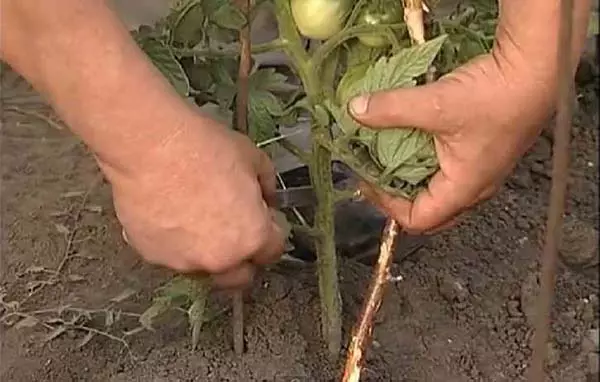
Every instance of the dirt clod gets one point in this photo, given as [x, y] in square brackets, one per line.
[513, 308]
[453, 289]
[579, 245]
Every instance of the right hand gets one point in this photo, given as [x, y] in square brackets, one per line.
[200, 202]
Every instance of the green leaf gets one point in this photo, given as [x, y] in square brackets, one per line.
[217, 113]
[393, 147]
[188, 28]
[414, 174]
[347, 87]
[162, 57]
[396, 147]
[263, 107]
[212, 6]
[224, 87]
[228, 16]
[593, 25]
[223, 35]
[196, 317]
[401, 158]
[359, 54]
[159, 306]
[401, 69]
[266, 79]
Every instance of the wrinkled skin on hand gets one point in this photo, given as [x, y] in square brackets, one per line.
[484, 116]
[201, 204]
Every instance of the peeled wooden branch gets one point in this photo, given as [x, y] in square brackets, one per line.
[362, 332]
[361, 335]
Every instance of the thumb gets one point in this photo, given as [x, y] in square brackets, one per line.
[426, 107]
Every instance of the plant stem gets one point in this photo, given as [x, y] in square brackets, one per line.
[266, 47]
[303, 156]
[322, 180]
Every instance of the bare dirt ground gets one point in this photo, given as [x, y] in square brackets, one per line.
[463, 311]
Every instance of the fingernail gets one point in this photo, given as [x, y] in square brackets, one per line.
[359, 105]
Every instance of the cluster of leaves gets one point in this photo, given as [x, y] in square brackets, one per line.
[470, 28]
[181, 292]
[196, 47]
[402, 160]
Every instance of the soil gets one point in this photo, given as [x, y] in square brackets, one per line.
[462, 310]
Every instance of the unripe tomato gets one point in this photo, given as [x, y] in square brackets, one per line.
[379, 12]
[320, 19]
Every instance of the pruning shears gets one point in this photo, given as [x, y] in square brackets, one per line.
[291, 197]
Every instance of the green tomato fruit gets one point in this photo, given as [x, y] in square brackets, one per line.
[380, 12]
[320, 19]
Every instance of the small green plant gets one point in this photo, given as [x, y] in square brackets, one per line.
[355, 47]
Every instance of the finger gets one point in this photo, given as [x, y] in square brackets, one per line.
[237, 277]
[273, 247]
[444, 226]
[486, 194]
[442, 200]
[267, 177]
[427, 107]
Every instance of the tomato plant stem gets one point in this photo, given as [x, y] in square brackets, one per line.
[322, 180]
[266, 47]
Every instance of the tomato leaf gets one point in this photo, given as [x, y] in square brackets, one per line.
[159, 306]
[404, 157]
[196, 313]
[188, 26]
[264, 107]
[593, 29]
[229, 16]
[401, 69]
[162, 57]
[397, 71]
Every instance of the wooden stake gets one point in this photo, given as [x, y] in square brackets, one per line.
[362, 332]
[242, 126]
[556, 207]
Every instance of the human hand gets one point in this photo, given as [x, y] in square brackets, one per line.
[483, 116]
[200, 202]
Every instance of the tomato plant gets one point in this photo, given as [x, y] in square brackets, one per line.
[363, 47]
